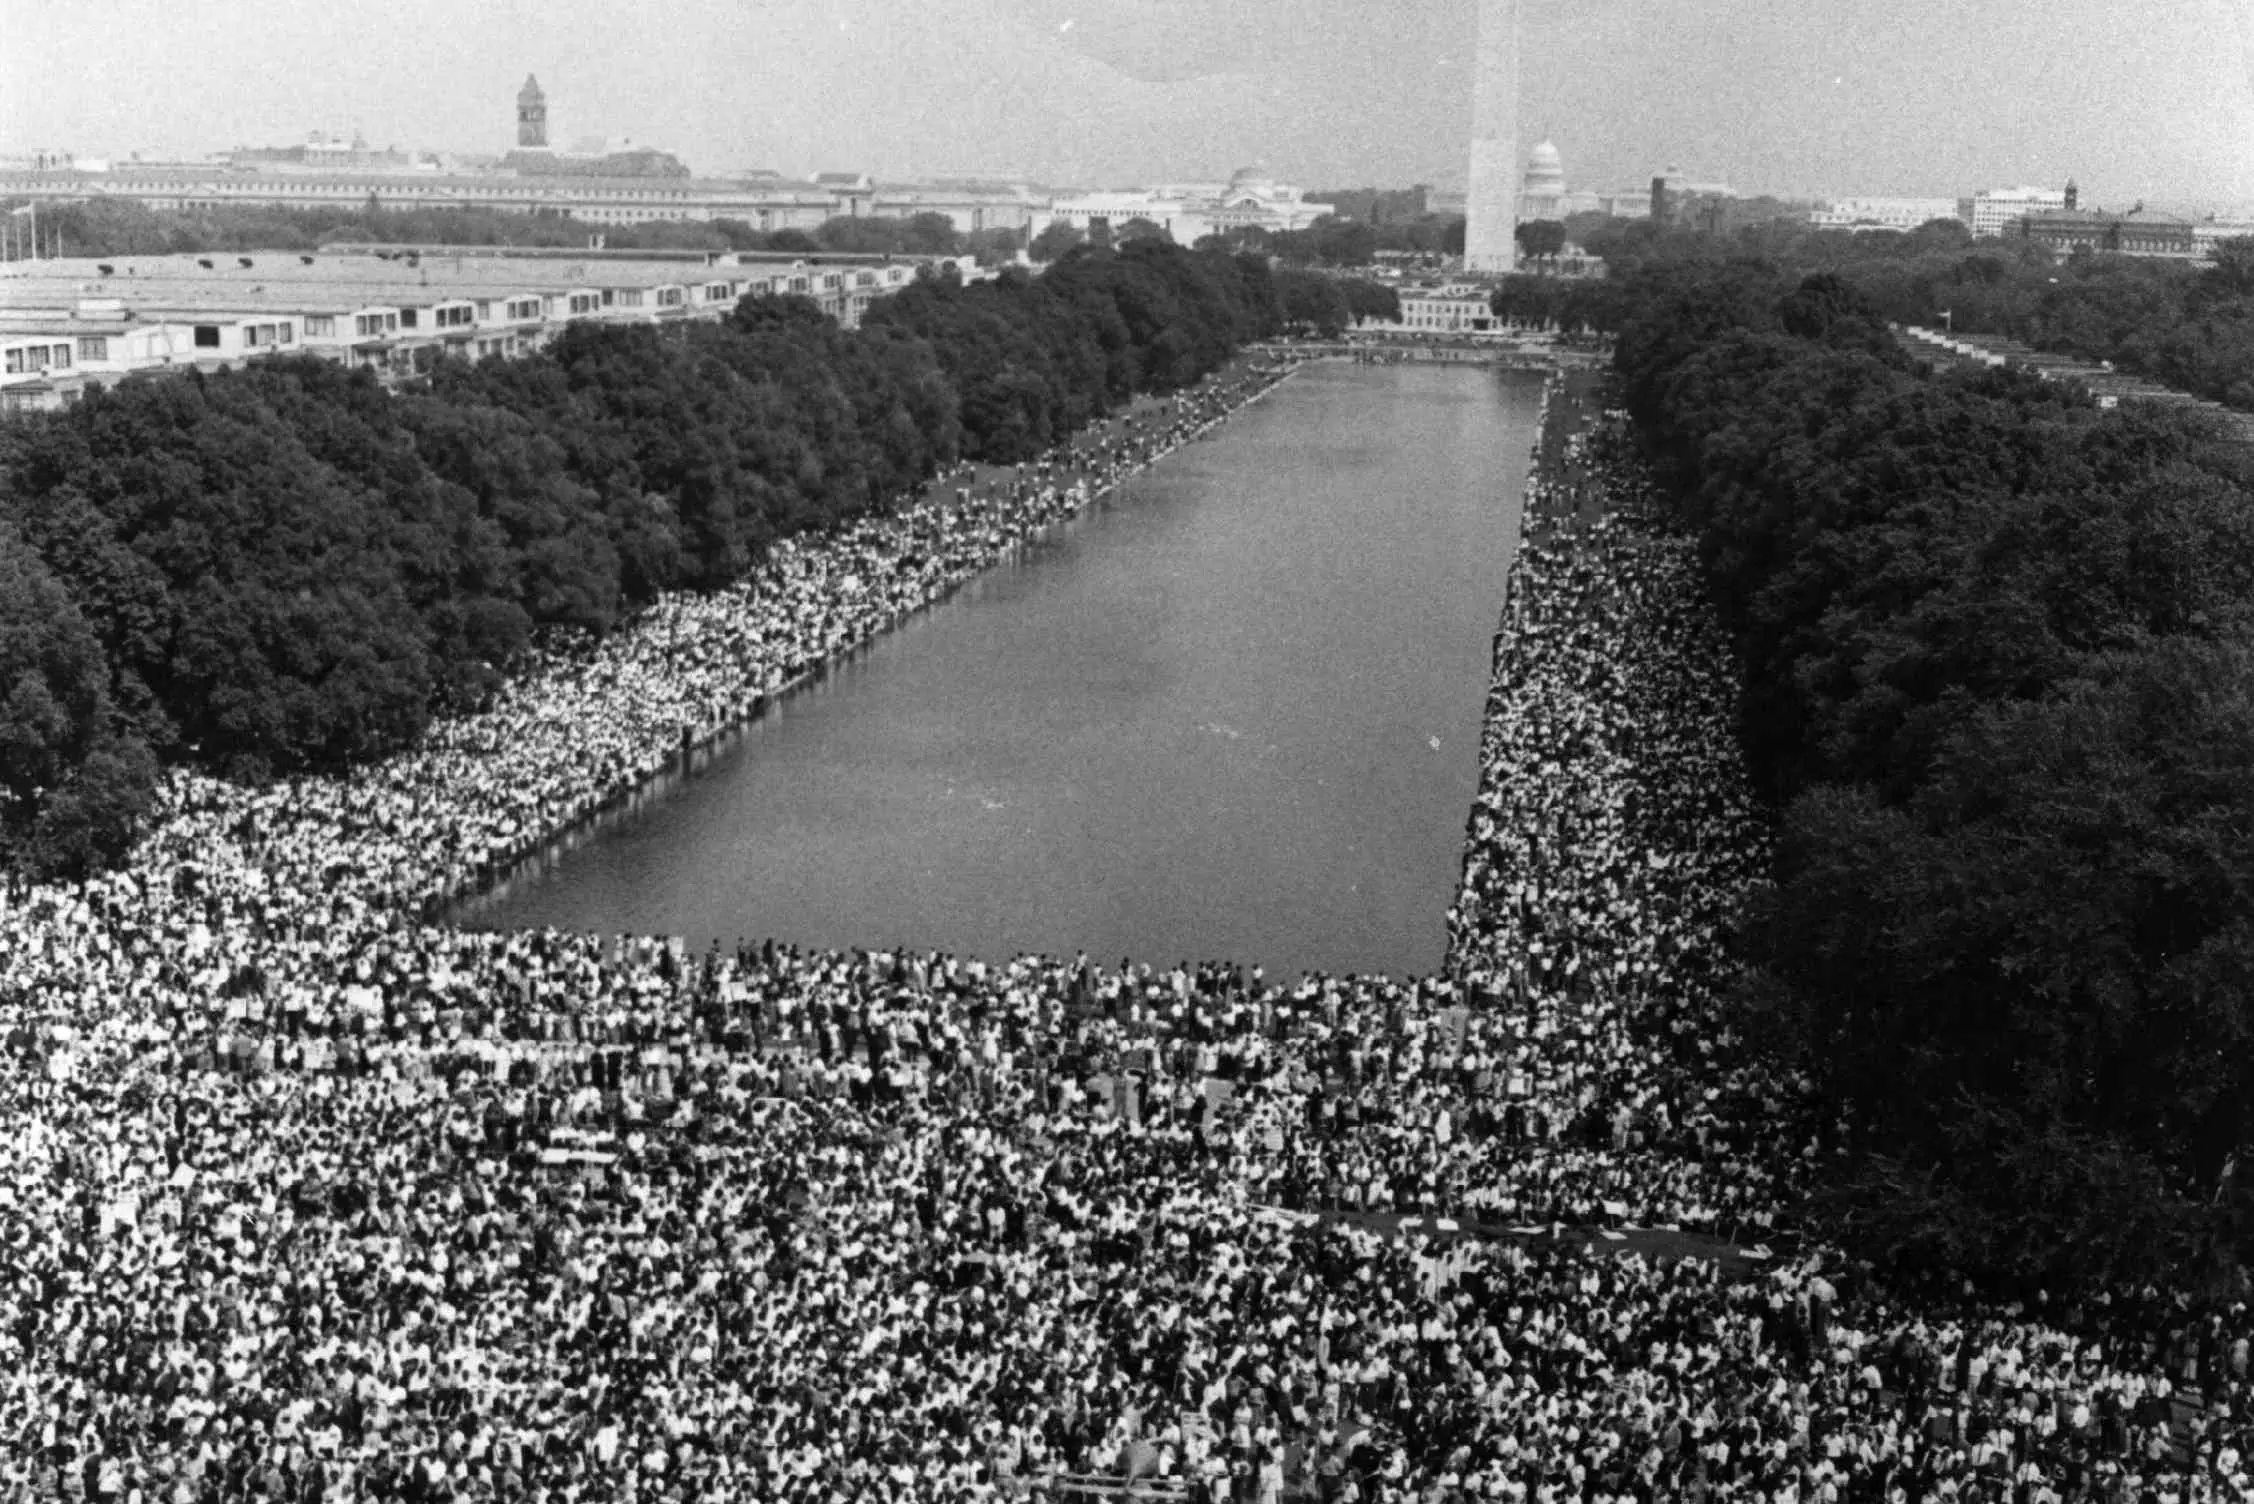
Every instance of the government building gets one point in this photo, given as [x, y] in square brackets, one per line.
[1996, 211]
[2139, 232]
[70, 324]
[1188, 213]
[1859, 214]
[1542, 193]
[595, 187]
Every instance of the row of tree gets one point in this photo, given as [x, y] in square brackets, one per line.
[1332, 241]
[1999, 659]
[286, 567]
[126, 227]
[2186, 324]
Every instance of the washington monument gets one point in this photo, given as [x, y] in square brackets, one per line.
[1491, 205]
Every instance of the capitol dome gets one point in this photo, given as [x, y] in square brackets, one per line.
[1252, 180]
[1545, 170]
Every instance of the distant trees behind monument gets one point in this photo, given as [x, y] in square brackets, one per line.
[115, 227]
[2186, 324]
[1540, 240]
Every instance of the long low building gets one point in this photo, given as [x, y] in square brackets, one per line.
[1188, 213]
[70, 323]
[1882, 213]
[766, 204]
[609, 201]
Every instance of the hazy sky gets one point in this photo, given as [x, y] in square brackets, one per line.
[2136, 98]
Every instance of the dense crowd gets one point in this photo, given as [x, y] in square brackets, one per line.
[313, 1200]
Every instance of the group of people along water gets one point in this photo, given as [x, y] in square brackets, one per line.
[309, 1199]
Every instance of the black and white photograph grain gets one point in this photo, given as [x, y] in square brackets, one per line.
[1126, 752]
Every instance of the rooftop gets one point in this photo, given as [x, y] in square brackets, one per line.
[95, 183]
[153, 286]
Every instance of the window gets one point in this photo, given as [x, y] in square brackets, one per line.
[669, 297]
[20, 363]
[609, 297]
[453, 318]
[320, 323]
[484, 310]
[584, 302]
[207, 336]
[407, 318]
[285, 333]
[93, 347]
[58, 356]
[631, 298]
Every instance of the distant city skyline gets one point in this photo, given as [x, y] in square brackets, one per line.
[2148, 103]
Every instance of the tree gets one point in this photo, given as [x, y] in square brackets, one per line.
[930, 234]
[1998, 660]
[1540, 239]
[1329, 241]
[1367, 300]
[2233, 269]
[1056, 237]
[71, 790]
[859, 235]
[1312, 304]
[1140, 228]
[284, 567]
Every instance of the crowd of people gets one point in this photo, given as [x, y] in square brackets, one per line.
[312, 1199]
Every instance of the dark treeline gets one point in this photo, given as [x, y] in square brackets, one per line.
[1325, 305]
[1999, 659]
[2189, 325]
[286, 567]
[1332, 241]
[123, 227]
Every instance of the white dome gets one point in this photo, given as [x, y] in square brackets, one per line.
[1251, 180]
[1545, 170]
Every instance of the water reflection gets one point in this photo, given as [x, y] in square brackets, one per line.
[1231, 712]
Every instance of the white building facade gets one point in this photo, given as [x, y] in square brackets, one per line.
[70, 322]
[1459, 308]
[1188, 212]
[1995, 211]
[1882, 213]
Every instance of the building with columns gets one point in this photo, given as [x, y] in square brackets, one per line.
[1996, 211]
[1541, 194]
[69, 324]
[1881, 213]
[612, 188]
[1188, 212]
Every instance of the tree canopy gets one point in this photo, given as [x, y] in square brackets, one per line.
[286, 567]
[1999, 681]
[1540, 239]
